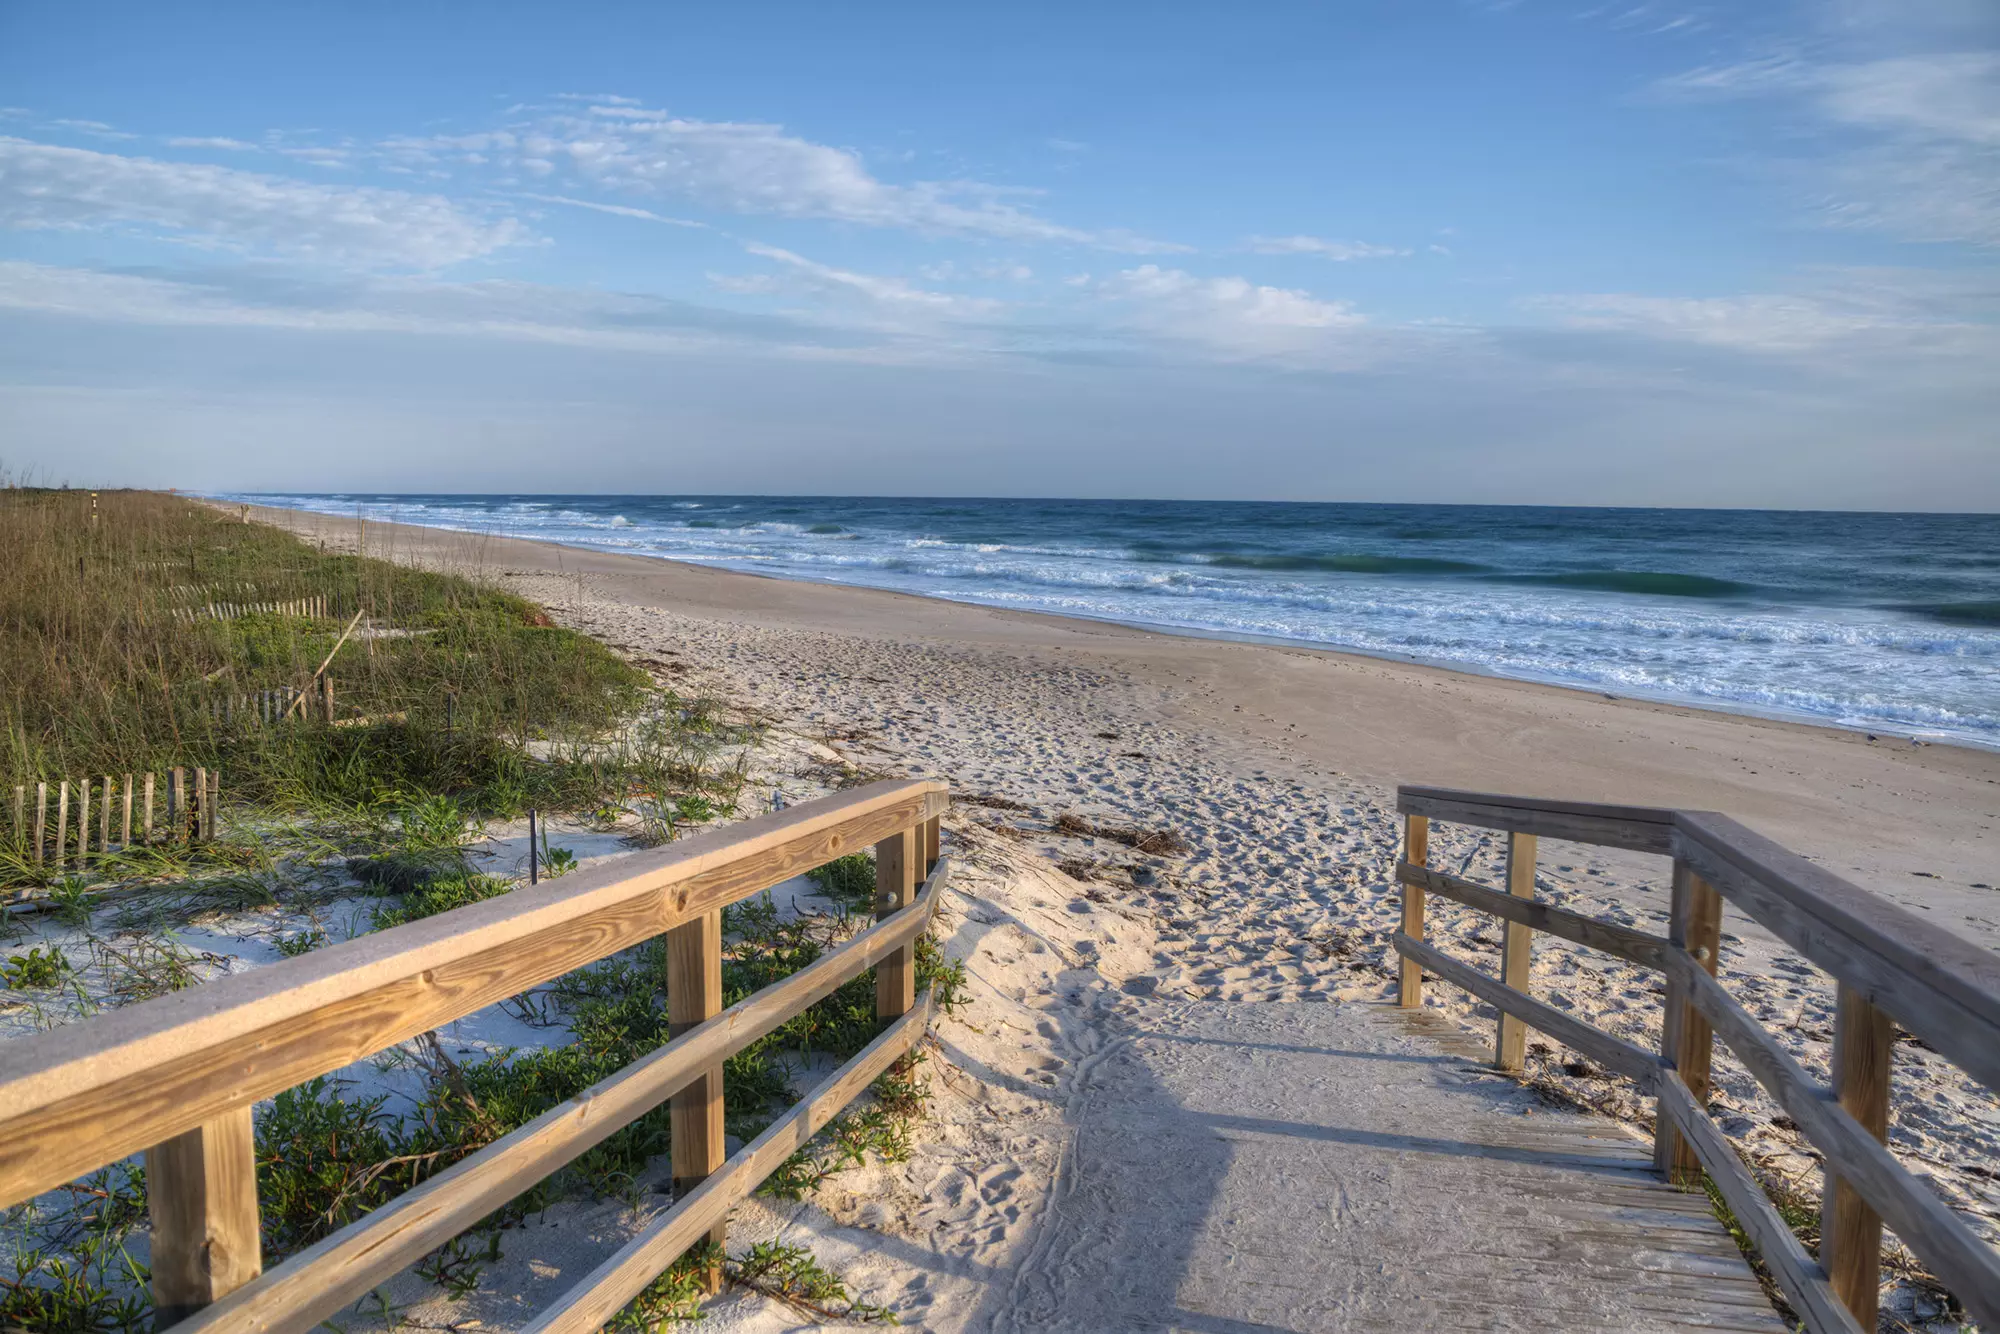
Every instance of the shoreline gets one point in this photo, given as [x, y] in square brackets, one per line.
[1901, 729]
[1891, 732]
[1885, 810]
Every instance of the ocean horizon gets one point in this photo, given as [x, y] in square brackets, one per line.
[1861, 620]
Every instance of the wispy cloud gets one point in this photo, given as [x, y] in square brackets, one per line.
[1230, 317]
[499, 309]
[616, 210]
[93, 127]
[750, 168]
[210, 141]
[46, 186]
[1918, 147]
[882, 294]
[1859, 309]
[1322, 247]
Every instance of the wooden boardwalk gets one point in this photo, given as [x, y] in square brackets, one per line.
[1299, 1167]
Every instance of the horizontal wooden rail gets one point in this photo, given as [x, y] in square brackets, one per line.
[592, 1303]
[1648, 951]
[1639, 828]
[305, 1290]
[1943, 989]
[73, 1100]
[1801, 1277]
[1890, 964]
[1613, 1053]
[1967, 1265]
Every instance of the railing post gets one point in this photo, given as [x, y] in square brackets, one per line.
[694, 994]
[1850, 1248]
[896, 861]
[933, 831]
[1687, 1041]
[1510, 1047]
[201, 1190]
[1417, 852]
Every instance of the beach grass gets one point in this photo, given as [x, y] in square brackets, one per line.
[138, 625]
[135, 624]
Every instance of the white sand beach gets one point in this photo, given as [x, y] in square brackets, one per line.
[1275, 767]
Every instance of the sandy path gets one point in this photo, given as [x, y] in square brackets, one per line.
[1276, 766]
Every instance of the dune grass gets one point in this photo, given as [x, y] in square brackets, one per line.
[465, 705]
[112, 664]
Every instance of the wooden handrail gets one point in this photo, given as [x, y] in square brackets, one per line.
[1943, 989]
[1638, 828]
[605, 1290]
[1887, 961]
[309, 1287]
[1648, 951]
[76, 1098]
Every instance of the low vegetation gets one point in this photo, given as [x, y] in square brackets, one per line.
[457, 706]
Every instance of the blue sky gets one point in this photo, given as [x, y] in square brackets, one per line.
[1629, 254]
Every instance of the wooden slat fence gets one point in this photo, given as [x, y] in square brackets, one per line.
[315, 607]
[1891, 967]
[176, 1077]
[45, 834]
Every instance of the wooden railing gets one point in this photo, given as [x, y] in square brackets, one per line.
[176, 1077]
[1892, 968]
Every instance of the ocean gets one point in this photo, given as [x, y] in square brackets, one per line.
[1876, 621]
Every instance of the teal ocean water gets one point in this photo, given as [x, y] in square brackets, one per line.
[1888, 621]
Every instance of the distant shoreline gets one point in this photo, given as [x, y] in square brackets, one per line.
[1891, 732]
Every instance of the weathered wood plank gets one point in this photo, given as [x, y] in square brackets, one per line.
[75, 1100]
[1640, 947]
[1694, 923]
[605, 1291]
[1967, 1265]
[1416, 855]
[1612, 1053]
[314, 1284]
[896, 860]
[1944, 989]
[1639, 828]
[1850, 1232]
[1803, 1281]
[694, 996]
[1510, 1038]
[201, 1191]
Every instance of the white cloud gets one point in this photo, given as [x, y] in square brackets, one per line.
[1875, 309]
[205, 141]
[1320, 246]
[319, 156]
[94, 127]
[1918, 136]
[998, 272]
[618, 210]
[45, 186]
[509, 310]
[824, 280]
[1230, 316]
[750, 168]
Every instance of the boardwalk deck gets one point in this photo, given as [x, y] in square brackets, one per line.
[1421, 1192]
